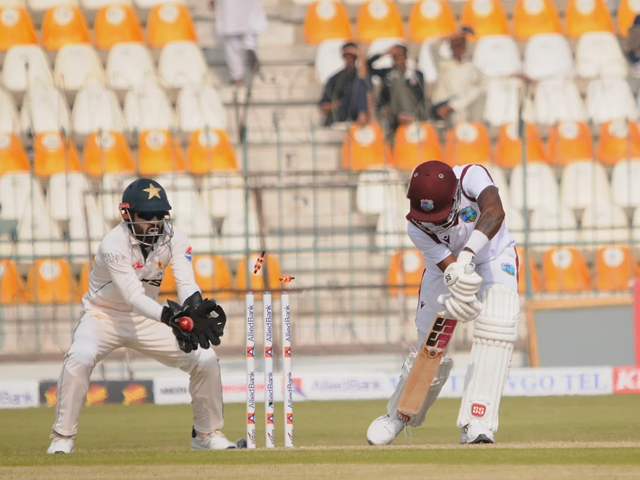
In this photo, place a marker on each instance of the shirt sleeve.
(432, 251)
(475, 180)
(182, 266)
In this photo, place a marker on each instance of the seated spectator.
(458, 94)
(401, 98)
(345, 94)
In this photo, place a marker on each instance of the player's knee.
(83, 354)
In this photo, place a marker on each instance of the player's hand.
(171, 316)
(461, 278)
(461, 311)
(208, 318)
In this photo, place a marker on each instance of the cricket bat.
(425, 367)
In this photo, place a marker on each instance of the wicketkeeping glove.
(171, 315)
(208, 318)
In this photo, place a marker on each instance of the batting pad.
(494, 334)
(444, 369)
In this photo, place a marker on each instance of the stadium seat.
(486, 17)
(378, 19)
(200, 107)
(66, 194)
(527, 265)
(558, 100)
(604, 223)
(17, 77)
(584, 184)
(111, 188)
(116, 23)
(503, 97)
(618, 140)
(168, 287)
(147, 107)
(508, 151)
(610, 99)
(96, 109)
(212, 275)
(44, 109)
(170, 22)
(364, 147)
(182, 64)
(15, 28)
(391, 229)
(426, 62)
(532, 17)
(38, 235)
(635, 228)
(128, 66)
(210, 150)
(107, 152)
(158, 152)
(615, 268)
(63, 25)
(224, 194)
(587, 16)
(570, 142)
(95, 5)
(329, 59)
(497, 56)
(12, 288)
(467, 142)
(546, 56)
(12, 156)
(43, 5)
(627, 11)
(76, 66)
(598, 54)
(9, 120)
(238, 231)
(405, 269)
(85, 275)
(20, 191)
(552, 226)
(270, 267)
(15, 3)
(564, 270)
(50, 280)
(414, 144)
(500, 180)
(542, 186)
(148, 4)
(374, 188)
(86, 232)
(326, 20)
(54, 153)
(431, 18)
(513, 218)
(625, 179)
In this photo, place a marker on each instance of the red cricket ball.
(186, 324)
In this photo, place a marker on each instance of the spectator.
(238, 22)
(458, 93)
(401, 97)
(345, 94)
(633, 47)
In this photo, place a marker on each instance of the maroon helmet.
(434, 194)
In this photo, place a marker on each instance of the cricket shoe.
(213, 441)
(475, 432)
(61, 444)
(384, 430)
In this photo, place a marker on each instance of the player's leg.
(205, 386)
(494, 335)
(94, 337)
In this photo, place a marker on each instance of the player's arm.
(182, 266)
(490, 221)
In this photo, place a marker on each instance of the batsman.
(456, 220)
(121, 310)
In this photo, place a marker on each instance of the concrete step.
(291, 157)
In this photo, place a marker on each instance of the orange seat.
(50, 281)
(534, 17)
(158, 152)
(107, 152)
(627, 11)
(116, 24)
(210, 150)
(169, 22)
(168, 287)
(12, 156)
(62, 25)
(414, 144)
(587, 16)
(524, 267)
(508, 152)
(212, 275)
(615, 268)
(619, 140)
(270, 265)
(326, 20)
(54, 153)
(486, 17)
(570, 142)
(364, 147)
(12, 289)
(15, 28)
(431, 18)
(405, 268)
(565, 270)
(378, 19)
(467, 142)
(85, 275)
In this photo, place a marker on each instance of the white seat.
(200, 107)
(598, 54)
(38, 235)
(502, 104)
(373, 189)
(542, 187)
(66, 195)
(329, 59)
(497, 56)
(515, 223)
(181, 64)
(558, 100)
(635, 226)
(86, 231)
(147, 108)
(9, 122)
(625, 179)
(128, 65)
(17, 191)
(221, 192)
(500, 181)
(148, 4)
(111, 188)
(42, 5)
(96, 108)
(98, 4)
(604, 223)
(610, 99)
(547, 55)
(44, 109)
(391, 229)
(241, 220)
(553, 226)
(14, 3)
(75, 65)
(427, 64)
(380, 46)
(24, 67)
(584, 184)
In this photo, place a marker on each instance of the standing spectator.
(401, 97)
(345, 94)
(238, 22)
(633, 48)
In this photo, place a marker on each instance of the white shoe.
(384, 430)
(476, 432)
(61, 444)
(213, 441)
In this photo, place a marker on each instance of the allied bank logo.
(297, 386)
(287, 352)
(468, 215)
(250, 352)
(508, 268)
(251, 418)
(269, 418)
(268, 352)
(187, 254)
(426, 205)
(289, 418)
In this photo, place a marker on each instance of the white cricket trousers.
(98, 334)
(235, 47)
